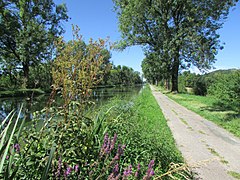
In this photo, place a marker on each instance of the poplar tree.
(184, 30)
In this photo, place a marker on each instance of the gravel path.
(211, 151)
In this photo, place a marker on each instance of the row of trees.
(174, 34)
(122, 75)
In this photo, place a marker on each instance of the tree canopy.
(184, 32)
(27, 30)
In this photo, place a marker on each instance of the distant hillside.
(221, 72)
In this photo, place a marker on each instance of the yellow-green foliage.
(78, 67)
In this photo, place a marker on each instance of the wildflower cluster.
(65, 172)
(108, 144)
(115, 163)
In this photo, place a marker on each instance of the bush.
(227, 90)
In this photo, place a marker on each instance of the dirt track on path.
(209, 150)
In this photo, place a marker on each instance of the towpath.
(209, 150)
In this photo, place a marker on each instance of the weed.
(234, 174)
(201, 132)
(184, 121)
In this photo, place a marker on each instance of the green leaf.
(45, 173)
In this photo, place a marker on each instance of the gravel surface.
(210, 151)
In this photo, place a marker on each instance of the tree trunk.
(175, 73)
(25, 74)
(167, 83)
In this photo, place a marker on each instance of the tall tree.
(186, 30)
(27, 30)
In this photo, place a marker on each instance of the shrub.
(227, 90)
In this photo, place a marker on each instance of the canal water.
(37, 103)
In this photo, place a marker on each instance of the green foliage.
(222, 84)
(227, 90)
(40, 76)
(141, 126)
(192, 83)
(79, 149)
(9, 146)
(183, 33)
(68, 134)
(78, 68)
(123, 75)
(28, 29)
(67, 144)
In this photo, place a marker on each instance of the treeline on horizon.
(41, 77)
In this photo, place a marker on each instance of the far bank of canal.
(38, 102)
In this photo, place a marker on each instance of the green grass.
(153, 127)
(145, 132)
(234, 174)
(206, 107)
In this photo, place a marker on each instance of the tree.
(28, 29)
(156, 68)
(183, 30)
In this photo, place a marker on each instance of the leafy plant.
(9, 145)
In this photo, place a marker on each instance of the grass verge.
(234, 174)
(206, 107)
(143, 128)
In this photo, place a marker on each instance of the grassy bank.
(128, 139)
(208, 107)
(141, 126)
(20, 92)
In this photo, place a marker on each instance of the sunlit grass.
(207, 108)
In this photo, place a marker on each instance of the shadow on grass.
(220, 107)
(167, 92)
(217, 107)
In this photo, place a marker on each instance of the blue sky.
(96, 19)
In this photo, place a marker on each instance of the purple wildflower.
(68, 171)
(107, 149)
(7, 157)
(104, 142)
(17, 148)
(116, 170)
(113, 142)
(151, 164)
(114, 173)
(150, 171)
(76, 168)
(127, 172)
(108, 144)
(138, 169)
(59, 167)
(120, 152)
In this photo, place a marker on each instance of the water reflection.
(37, 103)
